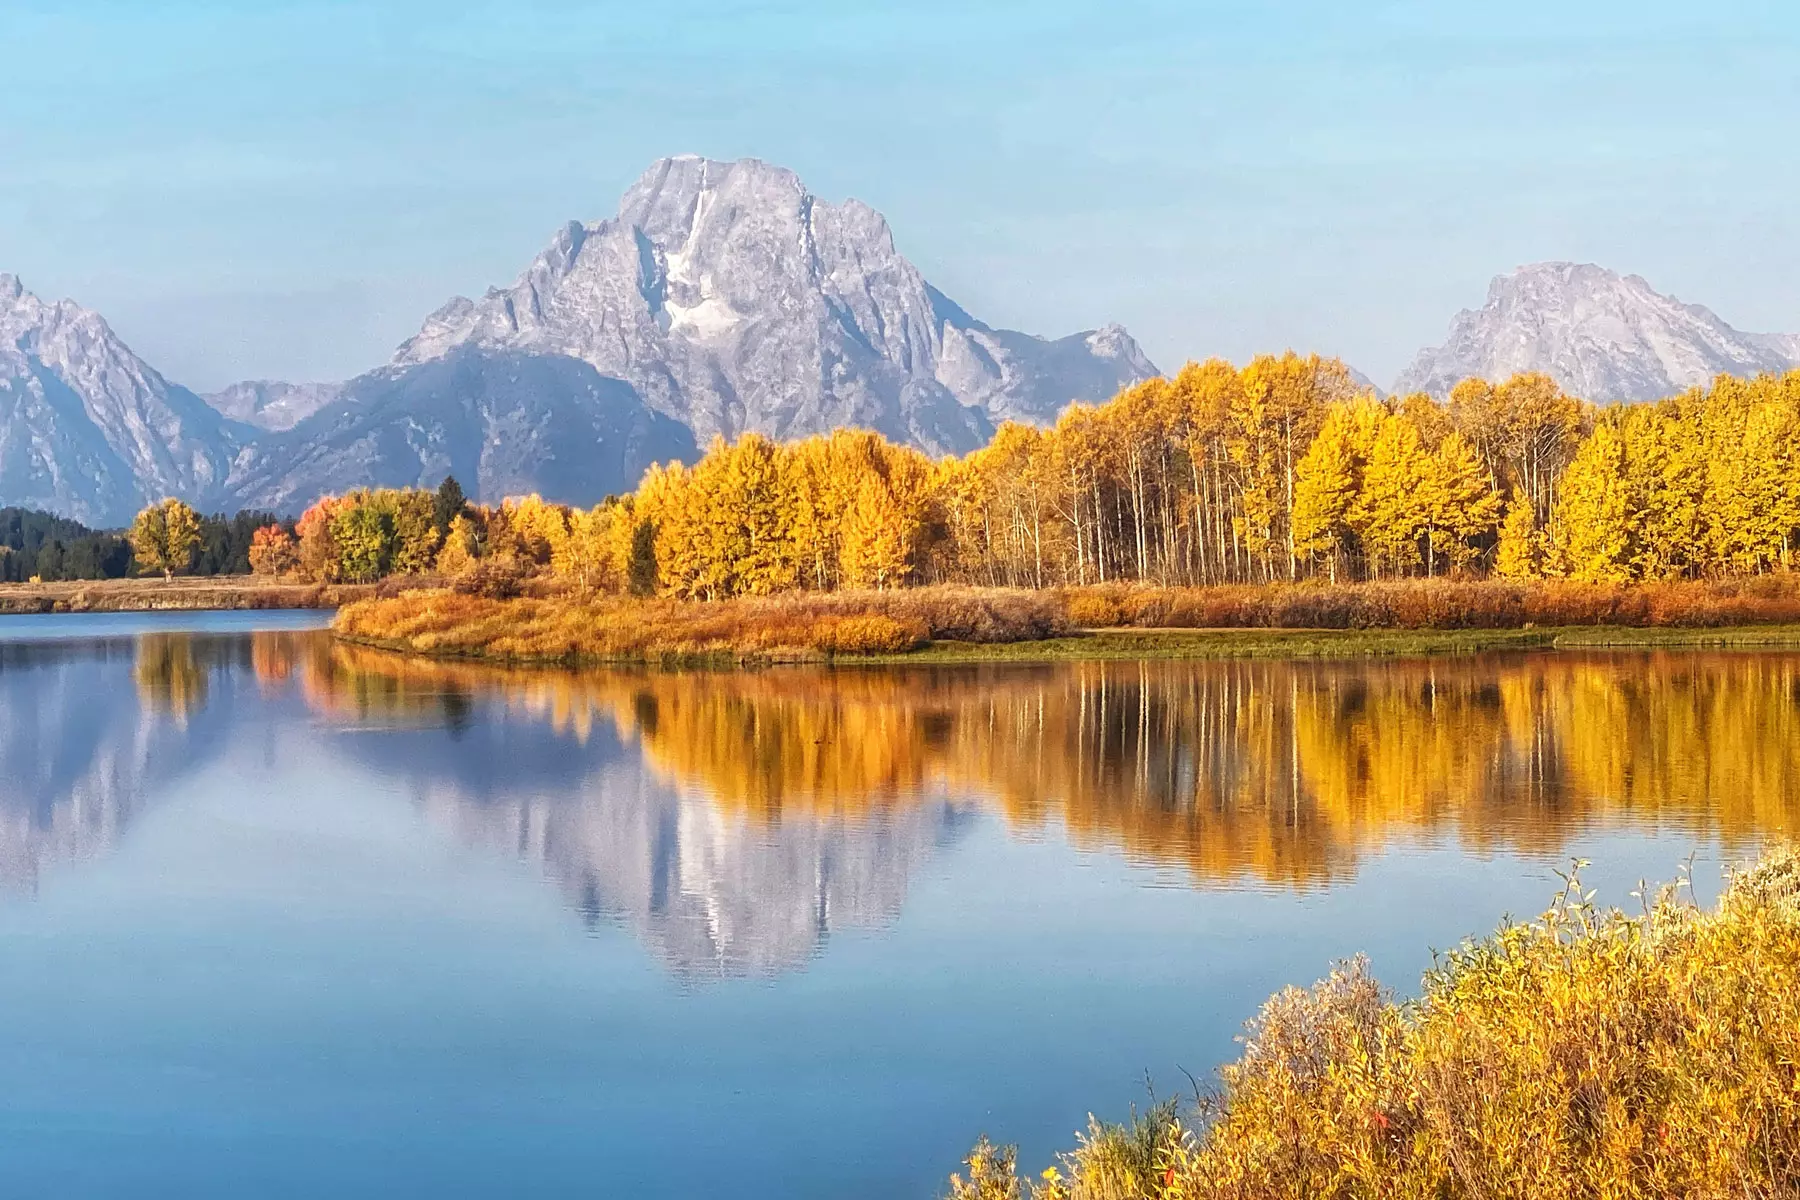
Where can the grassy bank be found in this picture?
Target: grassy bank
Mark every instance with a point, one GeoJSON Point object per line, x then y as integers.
{"type": "Point", "coordinates": [789, 627]}
{"type": "Point", "coordinates": [1590, 1053]}
{"type": "Point", "coordinates": [157, 595]}
{"type": "Point", "coordinates": [943, 625]}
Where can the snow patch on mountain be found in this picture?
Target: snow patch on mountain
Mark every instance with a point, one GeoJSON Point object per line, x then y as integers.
{"type": "Point", "coordinates": [732, 299]}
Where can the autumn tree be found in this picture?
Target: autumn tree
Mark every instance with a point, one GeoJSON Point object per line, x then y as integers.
{"type": "Point", "coordinates": [457, 554]}
{"type": "Point", "coordinates": [273, 551]}
{"type": "Point", "coordinates": [1391, 514]}
{"type": "Point", "coordinates": [878, 537]}
{"type": "Point", "coordinates": [1518, 555]}
{"type": "Point", "coordinates": [583, 549]}
{"type": "Point", "coordinates": [164, 537]}
{"type": "Point", "coordinates": [1461, 507]}
{"type": "Point", "coordinates": [1327, 481]}
{"type": "Point", "coordinates": [1594, 521]}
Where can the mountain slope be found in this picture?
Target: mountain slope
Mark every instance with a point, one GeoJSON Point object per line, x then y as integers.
{"type": "Point", "coordinates": [732, 300]}
{"type": "Point", "coordinates": [1602, 336]}
{"type": "Point", "coordinates": [272, 405]}
{"type": "Point", "coordinates": [504, 424]}
{"type": "Point", "coordinates": [88, 429]}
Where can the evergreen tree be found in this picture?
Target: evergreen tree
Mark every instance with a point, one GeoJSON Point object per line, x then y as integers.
{"type": "Point", "coordinates": [448, 504]}
{"type": "Point", "coordinates": [641, 571]}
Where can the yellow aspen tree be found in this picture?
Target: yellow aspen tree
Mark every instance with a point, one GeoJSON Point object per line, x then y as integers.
{"type": "Point", "coordinates": [1461, 507]}
{"type": "Point", "coordinates": [415, 532]}
{"type": "Point", "coordinates": [1390, 513]}
{"type": "Point", "coordinates": [457, 554]}
{"type": "Point", "coordinates": [583, 554]}
{"type": "Point", "coordinates": [1325, 490]}
{"type": "Point", "coordinates": [1518, 554]}
{"type": "Point", "coordinates": [1594, 518]}
{"type": "Point", "coordinates": [1666, 483]}
{"type": "Point", "coordinates": [164, 537]}
{"type": "Point", "coordinates": [878, 537]}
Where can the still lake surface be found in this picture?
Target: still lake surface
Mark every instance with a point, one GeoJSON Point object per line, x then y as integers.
{"type": "Point", "coordinates": [284, 918]}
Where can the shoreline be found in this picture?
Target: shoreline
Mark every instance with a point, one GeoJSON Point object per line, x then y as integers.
{"type": "Point", "coordinates": [226, 593]}
{"type": "Point", "coordinates": [1130, 645]}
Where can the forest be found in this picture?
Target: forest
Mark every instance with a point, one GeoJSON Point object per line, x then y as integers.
{"type": "Point", "coordinates": [44, 547]}
{"type": "Point", "coordinates": [1280, 471]}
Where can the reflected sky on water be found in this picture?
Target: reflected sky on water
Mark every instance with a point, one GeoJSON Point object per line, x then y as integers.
{"type": "Point", "coordinates": [283, 917]}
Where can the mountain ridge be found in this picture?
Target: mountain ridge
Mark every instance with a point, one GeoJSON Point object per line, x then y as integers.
{"type": "Point", "coordinates": [734, 300]}
{"type": "Point", "coordinates": [720, 298]}
{"type": "Point", "coordinates": [1601, 335]}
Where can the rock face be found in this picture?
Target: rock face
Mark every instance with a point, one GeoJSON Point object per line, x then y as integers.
{"type": "Point", "coordinates": [733, 300]}
{"type": "Point", "coordinates": [1602, 336]}
{"type": "Point", "coordinates": [268, 404]}
{"type": "Point", "coordinates": [88, 429]}
{"type": "Point", "coordinates": [504, 424]}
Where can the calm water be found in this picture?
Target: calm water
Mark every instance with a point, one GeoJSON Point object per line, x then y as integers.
{"type": "Point", "coordinates": [279, 918]}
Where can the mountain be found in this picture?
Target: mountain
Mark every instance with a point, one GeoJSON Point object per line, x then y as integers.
{"type": "Point", "coordinates": [268, 404]}
{"type": "Point", "coordinates": [87, 428]}
{"type": "Point", "coordinates": [1602, 336]}
{"type": "Point", "coordinates": [504, 423]}
{"type": "Point", "coordinates": [732, 299]}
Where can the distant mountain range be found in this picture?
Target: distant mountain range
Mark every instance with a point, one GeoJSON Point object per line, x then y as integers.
{"type": "Point", "coordinates": [722, 298]}
{"type": "Point", "coordinates": [1602, 336]}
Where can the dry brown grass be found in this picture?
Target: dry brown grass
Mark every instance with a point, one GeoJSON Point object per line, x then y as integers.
{"type": "Point", "coordinates": [1441, 604]}
{"type": "Point", "coordinates": [184, 594]}
{"type": "Point", "coordinates": [793, 625]}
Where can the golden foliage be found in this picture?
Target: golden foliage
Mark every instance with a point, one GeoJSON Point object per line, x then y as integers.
{"type": "Point", "coordinates": [1290, 772]}
{"type": "Point", "coordinates": [164, 537]}
{"type": "Point", "coordinates": [1590, 1053]}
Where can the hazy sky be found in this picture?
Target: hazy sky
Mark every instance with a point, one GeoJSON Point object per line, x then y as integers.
{"type": "Point", "coordinates": [284, 188]}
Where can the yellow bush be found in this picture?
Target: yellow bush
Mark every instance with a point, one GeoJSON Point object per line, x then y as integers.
{"type": "Point", "coordinates": [873, 634]}
{"type": "Point", "coordinates": [1091, 610]}
{"type": "Point", "coordinates": [1590, 1053]}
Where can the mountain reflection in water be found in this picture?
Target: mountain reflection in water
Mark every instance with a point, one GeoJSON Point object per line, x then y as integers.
{"type": "Point", "coordinates": [733, 819]}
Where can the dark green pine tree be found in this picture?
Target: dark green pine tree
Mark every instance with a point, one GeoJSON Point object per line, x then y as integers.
{"type": "Point", "coordinates": [449, 504]}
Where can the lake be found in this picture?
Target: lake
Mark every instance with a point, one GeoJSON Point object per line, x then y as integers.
{"type": "Point", "coordinates": [280, 917]}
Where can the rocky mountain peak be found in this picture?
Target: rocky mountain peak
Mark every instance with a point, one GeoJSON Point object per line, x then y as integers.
{"type": "Point", "coordinates": [87, 428]}
{"type": "Point", "coordinates": [732, 299]}
{"type": "Point", "coordinates": [1603, 336]}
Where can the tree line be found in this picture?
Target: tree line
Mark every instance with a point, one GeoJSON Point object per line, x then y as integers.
{"type": "Point", "coordinates": [42, 546]}
{"type": "Point", "coordinates": [1281, 470]}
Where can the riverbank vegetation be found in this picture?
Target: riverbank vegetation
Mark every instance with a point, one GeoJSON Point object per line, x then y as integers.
{"type": "Point", "coordinates": [501, 617]}
{"type": "Point", "coordinates": [572, 629]}
{"type": "Point", "coordinates": [183, 594]}
{"type": "Point", "coordinates": [1283, 471]}
{"type": "Point", "coordinates": [50, 549]}
{"type": "Point", "coordinates": [1589, 1053]}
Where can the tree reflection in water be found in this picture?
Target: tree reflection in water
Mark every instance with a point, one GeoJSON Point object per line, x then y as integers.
{"type": "Point", "coordinates": [1283, 772]}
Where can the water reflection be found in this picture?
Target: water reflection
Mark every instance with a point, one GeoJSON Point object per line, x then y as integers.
{"type": "Point", "coordinates": [733, 820]}
{"type": "Point", "coordinates": [1284, 771]}
{"type": "Point", "coordinates": [81, 752]}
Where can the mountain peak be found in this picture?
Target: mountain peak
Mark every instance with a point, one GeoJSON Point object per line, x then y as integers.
{"type": "Point", "coordinates": [735, 300]}
{"type": "Point", "coordinates": [1601, 335]}
{"type": "Point", "coordinates": [90, 429]}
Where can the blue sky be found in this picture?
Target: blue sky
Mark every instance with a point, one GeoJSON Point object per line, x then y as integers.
{"type": "Point", "coordinates": [285, 188]}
